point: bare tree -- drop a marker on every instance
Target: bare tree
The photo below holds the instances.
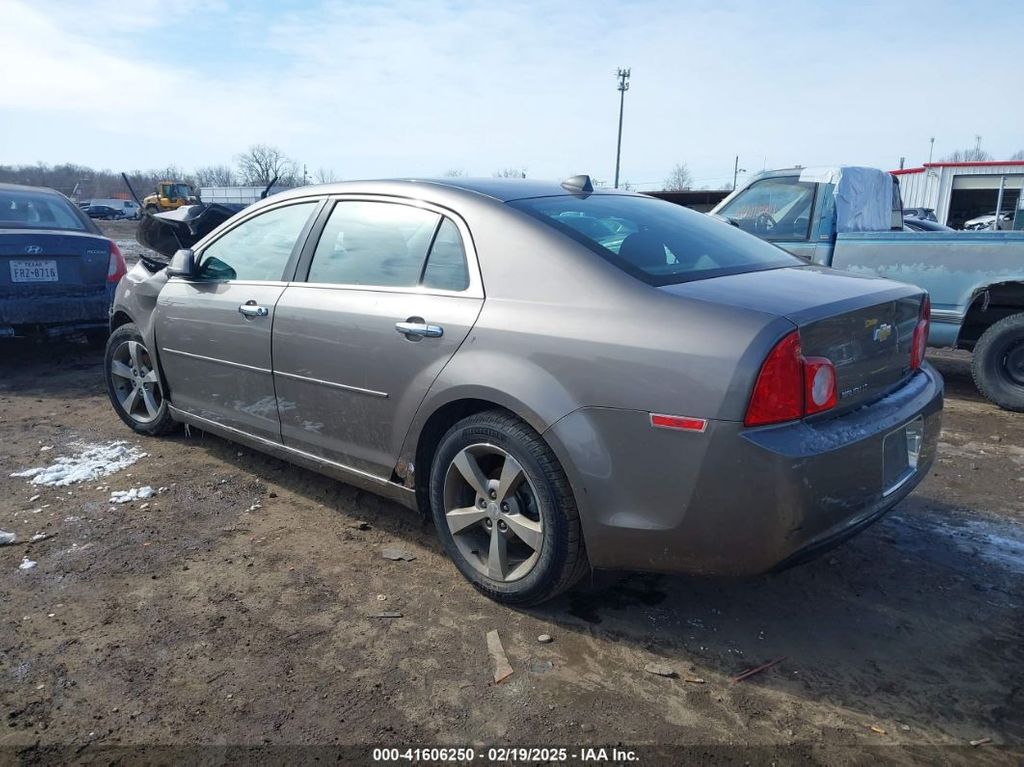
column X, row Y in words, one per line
column 215, row 175
column 510, row 173
column 679, row 179
column 325, row 175
column 454, row 173
column 973, row 154
column 262, row 163
column 1018, row 155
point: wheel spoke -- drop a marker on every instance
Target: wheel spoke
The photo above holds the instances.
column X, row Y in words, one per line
column 149, row 402
column 526, row 529
column 121, row 370
column 497, row 557
column 128, row 403
column 460, row 519
column 151, row 377
column 135, row 351
column 511, row 475
column 468, row 467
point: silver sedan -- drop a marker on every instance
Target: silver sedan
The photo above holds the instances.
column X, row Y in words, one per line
column 563, row 378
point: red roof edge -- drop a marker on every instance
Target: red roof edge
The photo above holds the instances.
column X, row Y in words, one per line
column 975, row 164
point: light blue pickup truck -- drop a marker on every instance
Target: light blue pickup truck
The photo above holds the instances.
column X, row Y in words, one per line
column 851, row 218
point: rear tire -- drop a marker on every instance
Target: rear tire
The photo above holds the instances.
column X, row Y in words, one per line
column 998, row 363
column 521, row 495
column 133, row 383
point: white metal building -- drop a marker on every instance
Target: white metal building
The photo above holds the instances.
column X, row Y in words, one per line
column 959, row 191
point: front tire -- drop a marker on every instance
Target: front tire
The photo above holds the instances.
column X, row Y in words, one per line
column 998, row 363
column 504, row 510
column 133, row 383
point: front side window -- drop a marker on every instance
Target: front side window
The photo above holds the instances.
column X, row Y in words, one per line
column 773, row 208
column 381, row 244
column 257, row 249
column 655, row 241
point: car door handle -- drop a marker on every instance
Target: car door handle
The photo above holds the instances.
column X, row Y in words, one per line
column 252, row 309
column 414, row 326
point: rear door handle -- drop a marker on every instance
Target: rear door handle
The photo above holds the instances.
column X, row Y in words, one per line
column 416, row 327
column 252, row 309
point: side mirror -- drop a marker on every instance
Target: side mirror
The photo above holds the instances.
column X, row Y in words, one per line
column 183, row 264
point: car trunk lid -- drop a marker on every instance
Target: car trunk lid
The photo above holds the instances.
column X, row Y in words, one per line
column 864, row 325
column 40, row 262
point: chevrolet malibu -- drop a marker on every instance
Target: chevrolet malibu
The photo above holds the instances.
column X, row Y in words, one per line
column 563, row 378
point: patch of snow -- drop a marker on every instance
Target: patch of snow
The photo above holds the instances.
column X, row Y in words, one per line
column 134, row 494
column 7, row 538
column 92, row 462
column 38, row 537
column 26, row 564
column 999, row 542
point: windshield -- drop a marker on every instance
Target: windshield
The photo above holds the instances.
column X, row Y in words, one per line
column 655, row 241
column 177, row 191
column 37, row 210
column 773, row 208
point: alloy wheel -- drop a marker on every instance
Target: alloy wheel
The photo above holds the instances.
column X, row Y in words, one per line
column 493, row 512
column 136, row 382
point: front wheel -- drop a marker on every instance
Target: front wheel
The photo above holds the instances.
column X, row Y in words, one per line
column 133, row 383
column 998, row 363
column 504, row 510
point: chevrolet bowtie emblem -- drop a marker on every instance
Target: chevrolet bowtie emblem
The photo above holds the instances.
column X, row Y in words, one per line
column 882, row 332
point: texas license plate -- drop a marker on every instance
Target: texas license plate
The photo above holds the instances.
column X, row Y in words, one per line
column 36, row 270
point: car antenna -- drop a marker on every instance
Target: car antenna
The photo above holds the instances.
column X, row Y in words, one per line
column 267, row 190
column 578, row 184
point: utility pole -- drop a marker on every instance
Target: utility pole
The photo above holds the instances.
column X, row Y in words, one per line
column 623, row 86
column 931, row 149
column 736, row 171
column 304, row 174
column 903, row 161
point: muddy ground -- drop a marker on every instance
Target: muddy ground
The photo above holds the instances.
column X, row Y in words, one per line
column 238, row 608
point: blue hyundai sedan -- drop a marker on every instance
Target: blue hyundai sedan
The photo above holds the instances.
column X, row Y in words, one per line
column 57, row 270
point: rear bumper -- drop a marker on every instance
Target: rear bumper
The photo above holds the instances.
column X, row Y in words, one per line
column 54, row 314
column 732, row 500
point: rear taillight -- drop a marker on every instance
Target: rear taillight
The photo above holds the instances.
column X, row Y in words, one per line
column 920, row 342
column 790, row 385
column 116, row 268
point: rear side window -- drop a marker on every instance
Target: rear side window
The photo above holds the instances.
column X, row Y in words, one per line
column 389, row 245
column 653, row 240
column 373, row 243
column 31, row 210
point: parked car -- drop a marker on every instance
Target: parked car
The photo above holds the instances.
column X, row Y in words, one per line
column 556, row 395
column 921, row 214
column 987, row 221
column 103, row 212
column 924, row 225
column 57, row 271
column 975, row 279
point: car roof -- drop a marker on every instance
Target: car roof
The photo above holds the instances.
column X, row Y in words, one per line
column 5, row 187
column 500, row 189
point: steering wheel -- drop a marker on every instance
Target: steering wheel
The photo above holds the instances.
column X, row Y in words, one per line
column 764, row 223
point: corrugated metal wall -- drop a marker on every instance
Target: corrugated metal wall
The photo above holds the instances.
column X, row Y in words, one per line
column 933, row 187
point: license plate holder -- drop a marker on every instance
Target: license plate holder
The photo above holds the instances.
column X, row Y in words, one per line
column 34, row 270
column 901, row 450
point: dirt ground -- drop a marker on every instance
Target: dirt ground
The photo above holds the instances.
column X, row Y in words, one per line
column 238, row 608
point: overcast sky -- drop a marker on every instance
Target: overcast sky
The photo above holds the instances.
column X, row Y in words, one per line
column 406, row 88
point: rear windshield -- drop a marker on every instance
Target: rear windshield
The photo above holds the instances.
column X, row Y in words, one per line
column 34, row 210
column 656, row 241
